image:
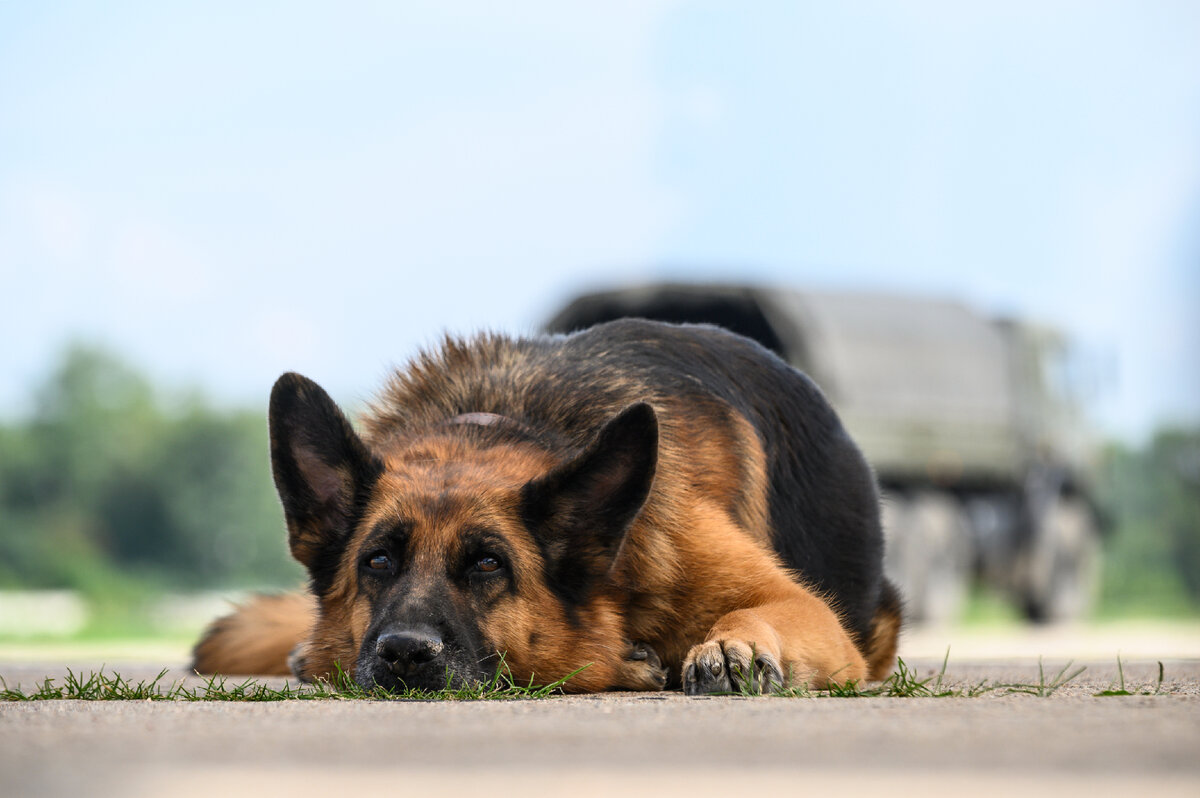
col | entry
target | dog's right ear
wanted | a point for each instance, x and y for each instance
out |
(323, 471)
(580, 512)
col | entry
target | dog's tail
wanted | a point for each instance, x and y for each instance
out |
(885, 632)
(257, 638)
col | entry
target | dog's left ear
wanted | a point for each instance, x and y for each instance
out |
(579, 512)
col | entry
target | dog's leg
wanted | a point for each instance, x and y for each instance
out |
(642, 669)
(793, 640)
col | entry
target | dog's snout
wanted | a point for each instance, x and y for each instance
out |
(408, 648)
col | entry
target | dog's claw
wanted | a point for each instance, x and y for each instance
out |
(730, 666)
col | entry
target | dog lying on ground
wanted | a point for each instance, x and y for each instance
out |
(668, 505)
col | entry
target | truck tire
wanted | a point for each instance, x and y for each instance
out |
(928, 554)
(1064, 567)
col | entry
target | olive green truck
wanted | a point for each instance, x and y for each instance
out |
(967, 420)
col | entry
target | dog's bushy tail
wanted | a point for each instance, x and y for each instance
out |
(257, 638)
(885, 632)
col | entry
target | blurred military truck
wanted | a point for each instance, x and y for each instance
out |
(968, 421)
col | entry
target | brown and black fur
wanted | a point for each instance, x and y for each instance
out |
(664, 504)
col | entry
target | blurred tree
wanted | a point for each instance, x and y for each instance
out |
(1154, 554)
(216, 471)
(1175, 459)
(103, 481)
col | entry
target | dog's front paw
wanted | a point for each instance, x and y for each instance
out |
(642, 669)
(298, 662)
(723, 666)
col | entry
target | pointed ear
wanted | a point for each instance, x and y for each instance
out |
(579, 512)
(323, 471)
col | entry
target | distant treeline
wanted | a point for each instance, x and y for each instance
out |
(109, 482)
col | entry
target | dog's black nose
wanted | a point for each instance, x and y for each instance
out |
(408, 648)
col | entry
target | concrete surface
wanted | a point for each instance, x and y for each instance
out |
(1071, 743)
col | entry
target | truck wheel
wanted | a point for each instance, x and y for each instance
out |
(1064, 568)
(928, 554)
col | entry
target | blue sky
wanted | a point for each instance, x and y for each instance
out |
(225, 191)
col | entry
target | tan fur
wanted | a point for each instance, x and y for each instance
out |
(745, 595)
(258, 637)
(885, 636)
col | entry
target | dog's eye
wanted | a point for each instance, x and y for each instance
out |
(488, 563)
(379, 561)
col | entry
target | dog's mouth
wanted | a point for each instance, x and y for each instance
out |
(424, 681)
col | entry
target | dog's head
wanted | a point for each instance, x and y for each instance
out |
(433, 555)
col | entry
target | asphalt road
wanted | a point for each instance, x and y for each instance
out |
(1070, 743)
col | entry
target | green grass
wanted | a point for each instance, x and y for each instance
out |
(904, 682)
(1043, 688)
(101, 686)
(1119, 688)
(988, 607)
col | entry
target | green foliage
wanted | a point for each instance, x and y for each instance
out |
(109, 489)
(1153, 556)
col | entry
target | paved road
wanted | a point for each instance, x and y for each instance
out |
(1071, 743)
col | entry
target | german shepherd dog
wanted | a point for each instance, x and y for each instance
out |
(668, 505)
